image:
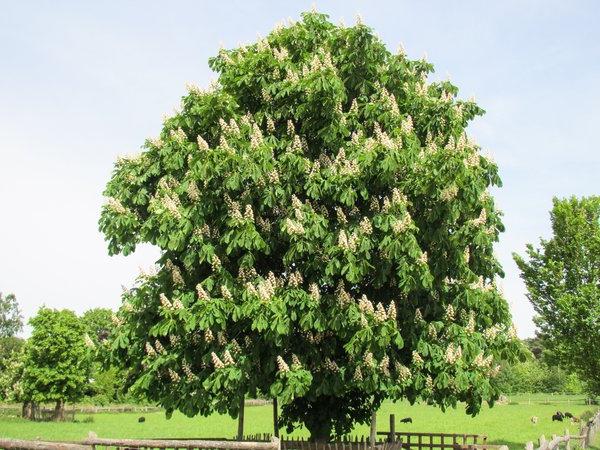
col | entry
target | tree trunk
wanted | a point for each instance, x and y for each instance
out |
(320, 431)
(27, 411)
(373, 434)
(30, 410)
(59, 411)
(240, 433)
(275, 418)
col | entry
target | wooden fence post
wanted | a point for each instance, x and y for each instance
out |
(392, 437)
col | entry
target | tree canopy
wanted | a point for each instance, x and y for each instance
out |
(56, 363)
(326, 233)
(11, 320)
(562, 277)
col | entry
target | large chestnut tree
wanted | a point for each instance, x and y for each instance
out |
(326, 236)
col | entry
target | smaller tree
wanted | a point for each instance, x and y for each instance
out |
(563, 283)
(57, 360)
(11, 320)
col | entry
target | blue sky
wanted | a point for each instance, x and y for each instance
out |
(83, 82)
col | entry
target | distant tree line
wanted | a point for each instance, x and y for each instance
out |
(540, 372)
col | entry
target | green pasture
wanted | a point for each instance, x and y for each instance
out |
(504, 423)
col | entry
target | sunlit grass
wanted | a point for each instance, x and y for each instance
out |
(507, 423)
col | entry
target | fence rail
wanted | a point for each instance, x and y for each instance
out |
(40, 445)
(92, 442)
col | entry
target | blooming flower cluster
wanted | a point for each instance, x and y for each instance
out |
(365, 226)
(313, 291)
(149, 349)
(449, 193)
(116, 205)
(175, 273)
(453, 354)
(188, 371)
(346, 242)
(175, 378)
(491, 332)
(295, 279)
(380, 314)
(226, 293)
(282, 366)
(416, 358)
(368, 359)
(365, 305)
(384, 365)
(178, 135)
(482, 219)
(215, 263)
(400, 226)
(293, 227)
(391, 311)
(228, 359)
(202, 144)
(358, 376)
(450, 313)
(202, 294)
(216, 361)
(403, 372)
(164, 301)
(331, 365)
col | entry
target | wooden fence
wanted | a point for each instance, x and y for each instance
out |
(434, 441)
(343, 444)
(442, 441)
(583, 440)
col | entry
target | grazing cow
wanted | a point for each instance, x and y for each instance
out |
(558, 416)
(406, 420)
(568, 414)
(534, 419)
(142, 419)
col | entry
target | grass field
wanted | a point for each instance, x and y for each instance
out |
(507, 423)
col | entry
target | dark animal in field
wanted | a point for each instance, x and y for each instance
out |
(406, 420)
(558, 417)
(142, 419)
(569, 415)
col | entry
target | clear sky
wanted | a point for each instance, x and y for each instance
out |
(83, 82)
